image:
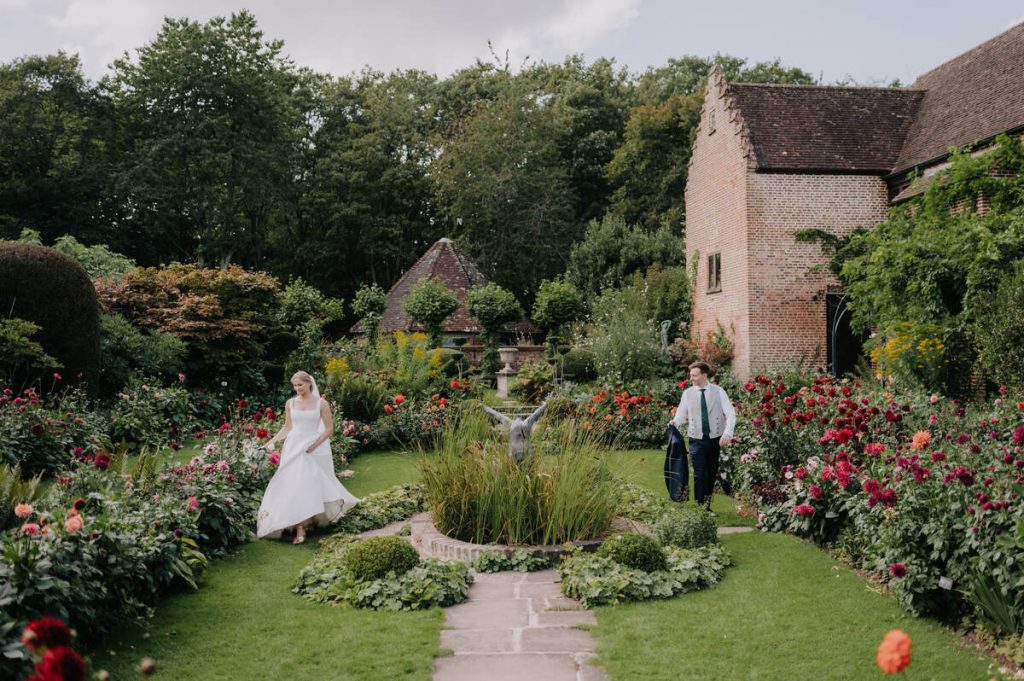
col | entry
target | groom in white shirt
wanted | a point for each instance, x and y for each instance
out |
(712, 420)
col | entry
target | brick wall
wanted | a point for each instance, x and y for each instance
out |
(716, 218)
(786, 304)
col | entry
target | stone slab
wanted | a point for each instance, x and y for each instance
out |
(550, 576)
(482, 591)
(494, 614)
(508, 667)
(463, 641)
(566, 618)
(541, 590)
(557, 640)
(734, 530)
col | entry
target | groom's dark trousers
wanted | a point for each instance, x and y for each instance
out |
(704, 454)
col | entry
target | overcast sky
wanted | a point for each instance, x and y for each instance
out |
(871, 41)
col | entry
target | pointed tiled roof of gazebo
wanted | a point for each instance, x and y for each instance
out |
(447, 264)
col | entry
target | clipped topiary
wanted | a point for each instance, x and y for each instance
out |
(688, 527)
(635, 550)
(375, 557)
(51, 290)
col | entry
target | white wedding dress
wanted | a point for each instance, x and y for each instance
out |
(304, 485)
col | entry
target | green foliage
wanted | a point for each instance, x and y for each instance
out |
(97, 260)
(148, 416)
(558, 303)
(356, 396)
(634, 550)
(300, 303)
(13, 491)
(18, 352)
(688, 527)
(478, 493)
(129, 351)
(51, 290)
(999, 330)
(937, 260)
(430, 303)
(225, 316)
(493, 307)
(533, 381)
(379, 509)
(210, 139)
(579, 364)
(375, 557)
(503, 191)
(595, 579)
(612, 251)
(519, 560)
(433, 583)
(369, 305)
(623, 338)
(409, 365)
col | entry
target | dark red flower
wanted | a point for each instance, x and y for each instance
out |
(898, 570)
(46, 632)
(102, 461)
(261, 433)
(79, 504)
(62, 663)
(805, 510)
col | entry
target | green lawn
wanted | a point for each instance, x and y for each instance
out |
(784, 611)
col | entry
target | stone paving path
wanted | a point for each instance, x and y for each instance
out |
(517, 626)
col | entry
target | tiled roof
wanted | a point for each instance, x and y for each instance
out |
(443, 262)
(968, 99)
(825, 128)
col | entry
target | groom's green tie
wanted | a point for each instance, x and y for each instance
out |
(705, 422)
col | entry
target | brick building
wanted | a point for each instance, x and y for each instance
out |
(770, 160)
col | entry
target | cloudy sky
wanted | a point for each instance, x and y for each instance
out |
(870, 41)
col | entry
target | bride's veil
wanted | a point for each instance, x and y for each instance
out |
(315, 392)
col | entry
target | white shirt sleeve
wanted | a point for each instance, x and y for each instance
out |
(682, 412)
(729, 411)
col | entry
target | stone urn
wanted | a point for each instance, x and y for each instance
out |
(507, 355)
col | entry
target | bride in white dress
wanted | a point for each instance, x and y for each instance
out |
(304, 490)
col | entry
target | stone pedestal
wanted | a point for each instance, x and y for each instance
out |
(508, 355)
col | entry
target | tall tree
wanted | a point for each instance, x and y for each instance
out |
(503, 192)
(210, 133)
(649, 169)
(51, 170)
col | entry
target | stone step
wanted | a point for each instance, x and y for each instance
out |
(509, 667)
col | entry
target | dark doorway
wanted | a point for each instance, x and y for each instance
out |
(844, 347)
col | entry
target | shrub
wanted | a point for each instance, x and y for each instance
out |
(356, 396)
(634, 550)
(431, 584)
(430, 302)
(19, 354)
(300, 302)
(49, 289)
(369, 305)
(98, 260)
(128, 351)
(715, 348)
(409, 365)
(593, 579)
(533, 381)
(999, 330)
(225, 317)
(558, 303)
(377, 556)
(623, 338)
(146, 415)
(42, 433)
(579, 364)
(382, 508)
(688, 527)
(493, 307)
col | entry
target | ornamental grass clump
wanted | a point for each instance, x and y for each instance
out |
(634, 550)
(377, 556)
(477, 493)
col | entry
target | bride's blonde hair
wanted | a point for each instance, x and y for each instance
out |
(304, 377)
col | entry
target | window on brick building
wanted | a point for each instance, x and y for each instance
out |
(714, 272)
(711, 122)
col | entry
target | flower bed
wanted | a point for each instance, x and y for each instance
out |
(921, 491)
(109, 539)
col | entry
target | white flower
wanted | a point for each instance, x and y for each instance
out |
(789, 475)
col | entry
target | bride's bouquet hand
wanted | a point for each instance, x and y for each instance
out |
(269, 446)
